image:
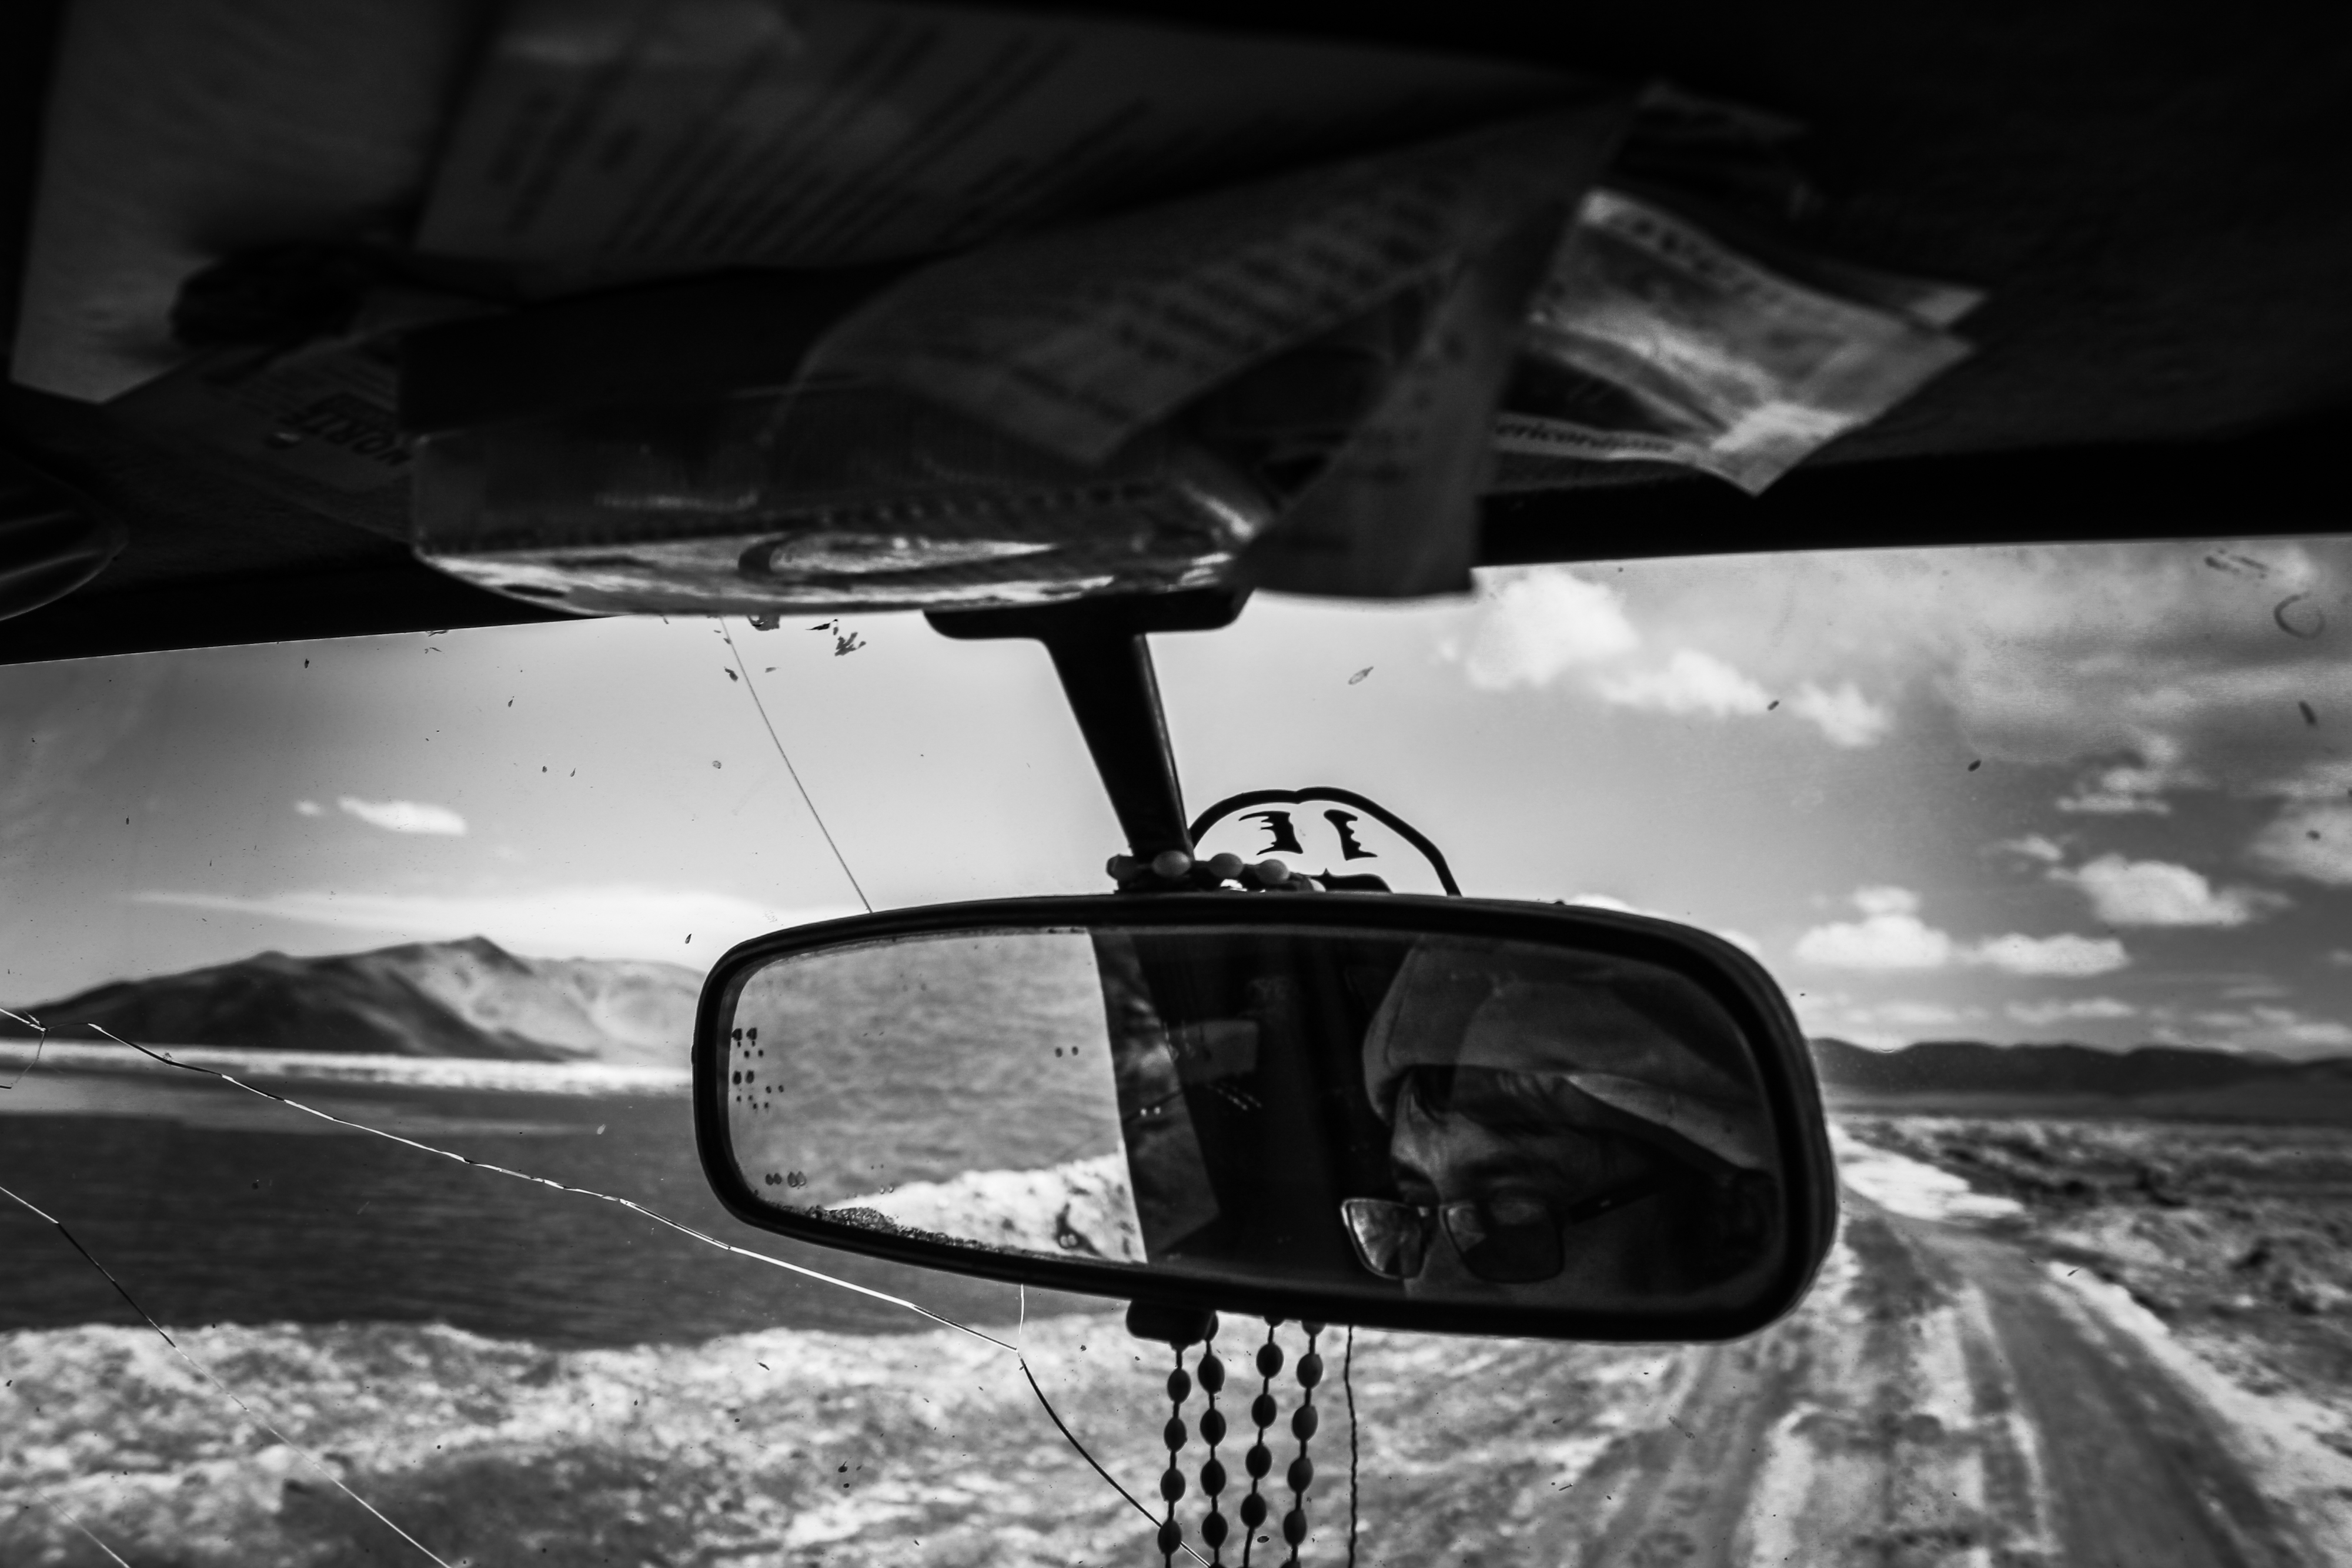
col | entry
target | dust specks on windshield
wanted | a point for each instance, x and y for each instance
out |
(2298, 617)
(2237, 564)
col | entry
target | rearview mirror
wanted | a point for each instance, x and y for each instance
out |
(1442, 1113)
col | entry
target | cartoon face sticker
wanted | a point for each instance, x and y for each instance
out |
(1326, 833)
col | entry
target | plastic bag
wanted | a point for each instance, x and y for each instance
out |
(1652, 342)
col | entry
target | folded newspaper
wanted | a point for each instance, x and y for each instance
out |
(604, 140)
(1136, 404)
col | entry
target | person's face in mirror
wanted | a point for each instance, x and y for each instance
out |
(1533, 1192)
(1564, 1130)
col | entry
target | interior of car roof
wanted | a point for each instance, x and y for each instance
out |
(2159, 213)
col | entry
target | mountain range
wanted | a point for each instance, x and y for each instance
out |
(464, 998)
(474, 998)
(2153, 1079)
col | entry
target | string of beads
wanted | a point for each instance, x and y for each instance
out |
(1257, 1461)
(1303, 1421)
(1260, 1459)
(1171, 1480)
(1211, 1371)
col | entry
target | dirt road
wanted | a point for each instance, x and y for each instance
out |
(1946, 1401)
(1942, 1401)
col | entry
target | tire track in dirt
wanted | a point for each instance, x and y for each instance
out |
(2140, 1473)
(1940, 1403)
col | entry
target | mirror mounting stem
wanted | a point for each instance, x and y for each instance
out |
(1161, 1323)
(1098, 651)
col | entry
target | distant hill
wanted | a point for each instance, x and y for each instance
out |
(2155, 1079)
(470, 998)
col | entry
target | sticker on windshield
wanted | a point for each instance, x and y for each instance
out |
(1333, 835)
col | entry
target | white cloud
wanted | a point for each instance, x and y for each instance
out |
(2158, 892)
(1892, 937)
(2326, 780)
(2035, 847)
(1882, 1026)
(2064, 955)
(404, 816)
(1689, 682)
(1845, 715)
(2312, 841)
(1886, 901)
(2340, 957)
(1537, 625)
(1739, 939)
(2042, 1014)
(609, 921)
(2144, 656)
(1618, 905)
(1917, 1015)
(2140, 670)
(2307, 1033)
(2100, 802)
(1889, 936)
(2148, 651)
(2135, 789)
(309, 809)
(2274, 1029)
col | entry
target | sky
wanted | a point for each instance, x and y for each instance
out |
(2099, 793)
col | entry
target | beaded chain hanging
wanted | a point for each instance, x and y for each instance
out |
(1257, 1461)
(1301, 1474)
(1171, 1480)
(1212, 1432)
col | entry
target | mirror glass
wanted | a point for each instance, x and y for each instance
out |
(1369, 1111)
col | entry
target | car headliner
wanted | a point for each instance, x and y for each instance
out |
(2158, 204)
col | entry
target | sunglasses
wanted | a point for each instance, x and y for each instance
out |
(1510, 1239)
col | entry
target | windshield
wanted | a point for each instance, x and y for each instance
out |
(2050, 847)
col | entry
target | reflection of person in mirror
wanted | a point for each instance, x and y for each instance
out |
(1563, 1132)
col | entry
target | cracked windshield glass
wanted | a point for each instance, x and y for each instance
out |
(2050, 847)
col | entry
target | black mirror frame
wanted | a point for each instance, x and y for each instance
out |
(1734, 979)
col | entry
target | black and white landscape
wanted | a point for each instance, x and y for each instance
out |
(2088, 1306)
(466, 998)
